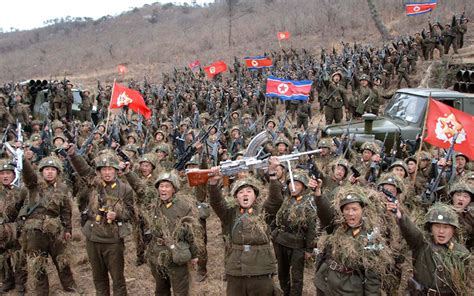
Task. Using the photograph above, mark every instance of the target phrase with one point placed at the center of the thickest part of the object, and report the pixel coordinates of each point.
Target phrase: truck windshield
(406, 107)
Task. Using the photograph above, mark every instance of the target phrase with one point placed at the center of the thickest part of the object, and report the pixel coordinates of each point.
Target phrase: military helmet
(350, 197)
(169, 177)
(160, 132)
(6, 165)
(283, 140)
(461, 186)
(391, 179)
(205, 115)
(149, 157)
(299, 175)
(60, 136)
(107, 160)
(469, 176)
(364, 77)
(425, 155)
(193, 161)
(371, 146)
(133, 135)
(57, 124)
(461, 155)
(244, 183)
(235, 127)
(163, 148)
(324, 143)
(442, 214)
(131, 147)
(336, 73)
(342, 162)
(400, 164)
(50, 161)
(36, 122)
(275, 122)
(246, 116)
(35, 137)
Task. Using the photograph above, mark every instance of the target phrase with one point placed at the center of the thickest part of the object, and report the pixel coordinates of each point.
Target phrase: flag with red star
(443, 122)
(288, 89)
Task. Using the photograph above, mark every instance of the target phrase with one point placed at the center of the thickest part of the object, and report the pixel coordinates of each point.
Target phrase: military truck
(403, 117)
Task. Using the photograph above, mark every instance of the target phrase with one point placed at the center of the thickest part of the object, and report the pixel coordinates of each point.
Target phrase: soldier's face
(299, 187)
(159, 136)
(49, 174)
(367, 155)
(399, 171)
(7, 177)
(324, 151)
(161, 155)
(352, 213)
(364, 83)
(339, 172)
(246, 197)
(411, 167)
(442, 233)
(281, 148)
(461, 200)
(107, 174)
(390, 188)
(146, 168)
(460, 162)
(165, 190)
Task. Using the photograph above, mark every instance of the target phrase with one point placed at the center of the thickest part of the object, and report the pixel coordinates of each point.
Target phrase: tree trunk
(378, 21)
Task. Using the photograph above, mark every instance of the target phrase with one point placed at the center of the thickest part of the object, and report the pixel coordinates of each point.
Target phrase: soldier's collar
(249, 211)
(112, 185)
(167, 203)
(355, 231)
(450, 245)
(298, 198)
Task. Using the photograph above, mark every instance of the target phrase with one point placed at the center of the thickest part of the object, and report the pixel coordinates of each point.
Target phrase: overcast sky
(29, 14)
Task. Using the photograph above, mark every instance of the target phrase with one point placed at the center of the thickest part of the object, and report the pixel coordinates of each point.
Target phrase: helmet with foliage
(193, 161)
(371, 146)
(341, 162)
(283, 140)
(324, 143)
(461, 186)
(50, 161)
(364, 77)
(107, 160)
(391, 179)
(247, 182)
(163, 148)
(400, 164)
(300, 176)
(6, 165)
(442, 214)
(131, 147)
(168, 177)
(149, 157)
(351, 196)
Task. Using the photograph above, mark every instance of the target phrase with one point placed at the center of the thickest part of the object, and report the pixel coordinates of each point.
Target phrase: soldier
(46, 219)
(20, 112)
(5, 116)
(449, 37)
(250, 261)
(294, 217)
(435, 41)
(366, 101)
(107, 210)
(403, 70)
(11, 200)
(304, 114)
(461, 196)
(334, 100)
(173, 235)
(441, 265)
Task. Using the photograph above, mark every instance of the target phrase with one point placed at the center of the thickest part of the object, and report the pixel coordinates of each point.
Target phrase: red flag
(194, 64)
(419, 7)
(258, 62)
(283, 35)
(215, 68)
(443, 122)
(121, 69)
(123, 96)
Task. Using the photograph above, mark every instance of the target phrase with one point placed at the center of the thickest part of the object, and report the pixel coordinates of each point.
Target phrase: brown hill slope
(157, 37)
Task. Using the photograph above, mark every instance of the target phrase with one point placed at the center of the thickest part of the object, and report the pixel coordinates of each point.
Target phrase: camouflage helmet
(57, 124)
(36, 122)
(342, 162)
(391, 179)
(205, 115)
(371, 146)
(442, 214)
(159, 131)
(468, 176)
(337, 73)
(50, 161)
(246, 116)
(460, 154)
(282, 140)
(275, 122)
(6, 165)
(60, 136)
(149, 157)
(35, 137)
(299, 175)
(324, 143)
(169, 177)
(400, 164)
(107, 160)
(235, 127)
(364, 77)
(244, 183)
(425, 155)
(193, 161)
(461, 186)
(163, 148)
(133, 135)
(352, 196)
(131, 147)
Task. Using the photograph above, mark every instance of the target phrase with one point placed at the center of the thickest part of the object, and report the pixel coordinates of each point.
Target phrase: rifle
(342, 146)
(4, 139)
(17, 155)
(122, 154)
(87, 142)
(428, 197)
(198, 177)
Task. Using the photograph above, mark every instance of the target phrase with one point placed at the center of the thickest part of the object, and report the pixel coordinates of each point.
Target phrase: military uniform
(13, 266)
(365, 101)
(294, 233)
(304, 114)
(171, 236)
(105, 239)
(403, 70)
(46, 216)
(250, 261)
(334, 100)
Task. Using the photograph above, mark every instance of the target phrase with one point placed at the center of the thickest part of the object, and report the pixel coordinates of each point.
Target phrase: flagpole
(108, 109)
(421, 139)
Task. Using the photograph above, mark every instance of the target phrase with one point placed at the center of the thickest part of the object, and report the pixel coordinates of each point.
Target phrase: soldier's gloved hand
(353, 179)
(70, 148)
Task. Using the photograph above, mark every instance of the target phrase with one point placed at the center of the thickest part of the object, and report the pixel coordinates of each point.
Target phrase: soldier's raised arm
(275, 197)
(324, 209)
(216, 199)
(79, 164)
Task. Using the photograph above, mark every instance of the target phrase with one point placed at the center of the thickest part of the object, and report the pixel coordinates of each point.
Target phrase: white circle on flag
(212, 70)
(254, 63)
(416, 8)
(282, 36)
(282, 88)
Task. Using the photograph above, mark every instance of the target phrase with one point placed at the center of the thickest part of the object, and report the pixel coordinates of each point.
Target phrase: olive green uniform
(104, 240)
(250, 261)
(46, 216)
(294, 234)
(336, 99)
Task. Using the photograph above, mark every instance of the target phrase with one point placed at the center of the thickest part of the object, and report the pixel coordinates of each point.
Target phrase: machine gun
(198, 177)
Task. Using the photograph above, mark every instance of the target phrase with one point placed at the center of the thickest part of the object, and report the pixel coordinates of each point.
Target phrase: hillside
(155, 38)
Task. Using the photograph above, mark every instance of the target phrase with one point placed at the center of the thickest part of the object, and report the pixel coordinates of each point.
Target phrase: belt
(333, 265)
(247, 248)
(432, 292)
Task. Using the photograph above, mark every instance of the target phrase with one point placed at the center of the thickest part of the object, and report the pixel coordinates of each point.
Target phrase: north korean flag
(258, 62)
(417, 8)
(288, 89)
(283, 35)
(194, 64)
(215, 68)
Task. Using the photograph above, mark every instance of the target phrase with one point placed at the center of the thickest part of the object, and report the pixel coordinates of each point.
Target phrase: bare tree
(378, 21)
